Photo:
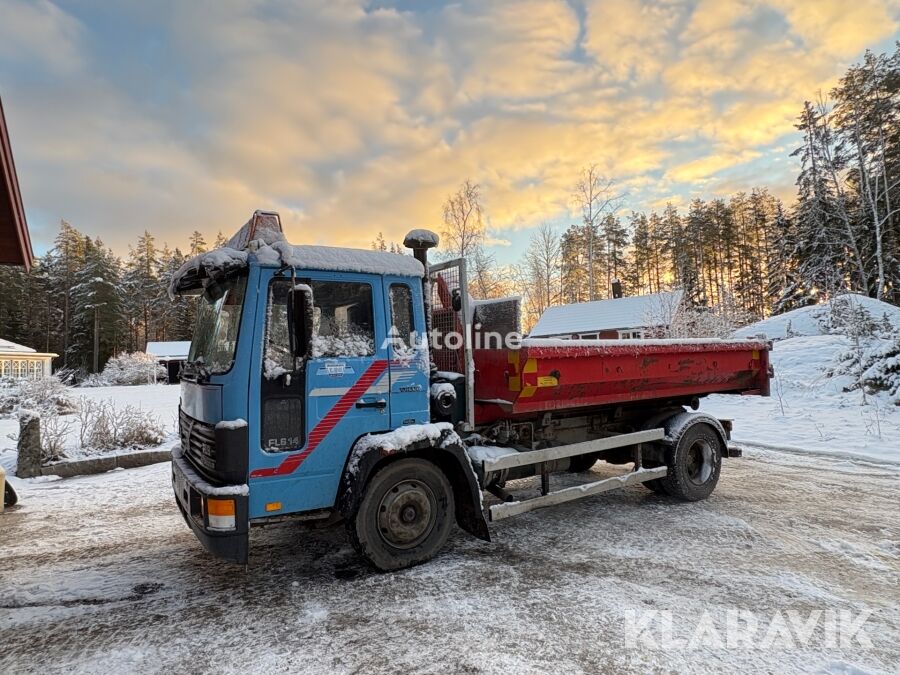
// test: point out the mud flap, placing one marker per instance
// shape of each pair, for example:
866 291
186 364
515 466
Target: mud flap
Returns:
469 511
448 453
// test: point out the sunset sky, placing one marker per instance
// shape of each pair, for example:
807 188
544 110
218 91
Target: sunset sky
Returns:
353 117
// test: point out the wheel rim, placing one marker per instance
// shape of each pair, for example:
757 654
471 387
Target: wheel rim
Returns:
406 514
699 465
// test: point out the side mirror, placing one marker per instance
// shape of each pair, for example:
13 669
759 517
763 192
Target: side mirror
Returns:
300 320
456 300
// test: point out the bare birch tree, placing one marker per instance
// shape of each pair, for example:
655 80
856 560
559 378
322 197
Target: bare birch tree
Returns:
594 196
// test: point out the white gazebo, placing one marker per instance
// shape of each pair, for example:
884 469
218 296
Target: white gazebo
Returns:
20 362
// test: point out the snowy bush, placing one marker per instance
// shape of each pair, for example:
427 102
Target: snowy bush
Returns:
98 426
127 369
691 321
874 365
700 322
106 427
873 358
54 434
44 395
847 316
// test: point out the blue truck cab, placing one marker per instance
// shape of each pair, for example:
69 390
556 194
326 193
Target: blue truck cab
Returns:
307 381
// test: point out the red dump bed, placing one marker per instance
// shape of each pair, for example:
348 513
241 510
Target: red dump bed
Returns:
545 375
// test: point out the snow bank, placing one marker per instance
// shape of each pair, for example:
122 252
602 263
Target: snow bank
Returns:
811 410
819 319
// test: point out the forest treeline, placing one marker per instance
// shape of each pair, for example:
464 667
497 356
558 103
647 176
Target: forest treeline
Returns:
80 285
748 254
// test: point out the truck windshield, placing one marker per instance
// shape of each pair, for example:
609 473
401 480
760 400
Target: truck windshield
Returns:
218 319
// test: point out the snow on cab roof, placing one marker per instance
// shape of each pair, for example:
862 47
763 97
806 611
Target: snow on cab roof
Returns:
262 238
335 259
638 311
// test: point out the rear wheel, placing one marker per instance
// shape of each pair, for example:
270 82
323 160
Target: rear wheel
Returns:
694 464
405 515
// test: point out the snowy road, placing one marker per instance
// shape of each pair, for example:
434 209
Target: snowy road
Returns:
100 574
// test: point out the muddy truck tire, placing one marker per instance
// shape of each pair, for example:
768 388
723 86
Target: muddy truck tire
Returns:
405 516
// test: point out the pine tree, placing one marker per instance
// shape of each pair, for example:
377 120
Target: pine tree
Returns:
62 264
615 237
196 244
574 251
142 286
817 247
97 310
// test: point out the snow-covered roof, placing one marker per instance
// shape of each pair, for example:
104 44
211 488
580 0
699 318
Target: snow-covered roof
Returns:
169 351
638 311
11 347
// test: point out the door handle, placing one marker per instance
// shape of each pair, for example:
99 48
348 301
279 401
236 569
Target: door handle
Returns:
380 404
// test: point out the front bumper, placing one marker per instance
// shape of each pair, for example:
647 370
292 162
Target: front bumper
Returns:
191 492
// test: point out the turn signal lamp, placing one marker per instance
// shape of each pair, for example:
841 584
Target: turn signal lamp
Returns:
220 513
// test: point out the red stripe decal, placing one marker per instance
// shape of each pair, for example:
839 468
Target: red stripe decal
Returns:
327 423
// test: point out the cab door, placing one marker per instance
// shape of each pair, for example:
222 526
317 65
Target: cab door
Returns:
409 366
345 389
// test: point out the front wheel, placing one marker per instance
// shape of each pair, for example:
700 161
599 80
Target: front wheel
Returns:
405 515
694 464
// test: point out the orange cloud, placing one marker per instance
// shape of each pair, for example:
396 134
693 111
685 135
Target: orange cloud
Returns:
352 120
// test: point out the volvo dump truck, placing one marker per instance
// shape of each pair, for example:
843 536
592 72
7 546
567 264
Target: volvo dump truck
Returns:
369 388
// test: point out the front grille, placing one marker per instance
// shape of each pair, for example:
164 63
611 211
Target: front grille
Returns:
198 442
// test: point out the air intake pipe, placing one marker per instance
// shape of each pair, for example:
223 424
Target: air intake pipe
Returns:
420 241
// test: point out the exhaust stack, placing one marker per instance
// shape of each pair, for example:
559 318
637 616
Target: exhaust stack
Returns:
420 241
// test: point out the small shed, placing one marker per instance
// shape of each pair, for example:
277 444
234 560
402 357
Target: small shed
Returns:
628 318
19 362
172 355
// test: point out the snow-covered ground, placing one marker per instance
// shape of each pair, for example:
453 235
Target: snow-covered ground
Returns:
158 399
101 575
808 410
814 320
